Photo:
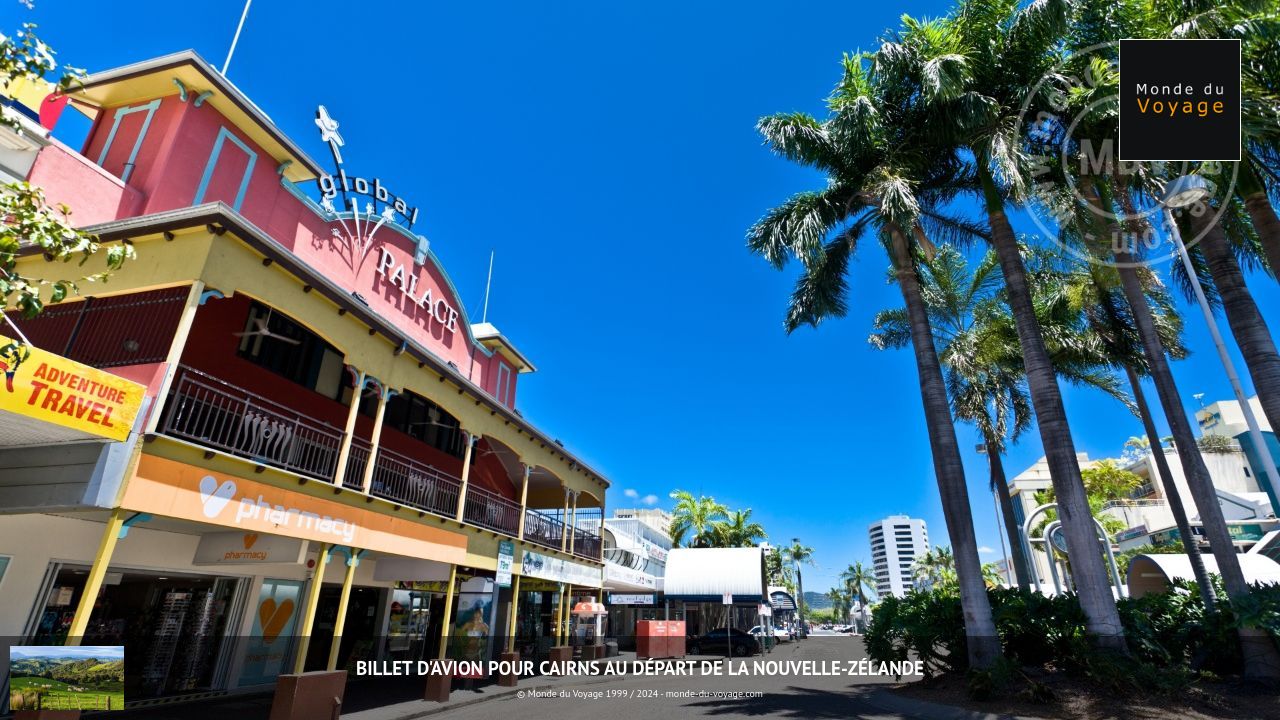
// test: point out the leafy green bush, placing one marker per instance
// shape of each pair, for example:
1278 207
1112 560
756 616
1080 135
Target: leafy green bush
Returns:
1169 634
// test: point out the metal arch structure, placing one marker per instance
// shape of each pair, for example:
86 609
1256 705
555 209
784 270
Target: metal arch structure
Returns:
1043 539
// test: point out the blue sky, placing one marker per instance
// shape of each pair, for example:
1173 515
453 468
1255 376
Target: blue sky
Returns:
101 652
608 155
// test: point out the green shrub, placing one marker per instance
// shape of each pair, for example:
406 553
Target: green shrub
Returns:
1170 636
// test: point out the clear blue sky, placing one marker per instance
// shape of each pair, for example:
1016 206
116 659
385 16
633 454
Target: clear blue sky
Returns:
608 154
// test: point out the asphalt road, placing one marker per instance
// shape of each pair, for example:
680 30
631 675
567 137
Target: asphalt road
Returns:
723 696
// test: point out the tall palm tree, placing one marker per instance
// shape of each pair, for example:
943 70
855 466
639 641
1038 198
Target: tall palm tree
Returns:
840 602
978 346
973 70
798 554
1106 192
858 581
878 178
737 530
694 518
936 569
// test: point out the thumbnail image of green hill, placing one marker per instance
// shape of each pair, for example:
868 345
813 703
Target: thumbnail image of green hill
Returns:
66 683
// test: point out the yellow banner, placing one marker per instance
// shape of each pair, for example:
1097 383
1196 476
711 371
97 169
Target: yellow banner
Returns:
40 385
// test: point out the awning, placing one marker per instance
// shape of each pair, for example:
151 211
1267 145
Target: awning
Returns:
780 599
1155 573
708 574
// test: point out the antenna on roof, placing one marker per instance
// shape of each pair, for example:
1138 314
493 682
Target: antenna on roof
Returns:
484 316
236 38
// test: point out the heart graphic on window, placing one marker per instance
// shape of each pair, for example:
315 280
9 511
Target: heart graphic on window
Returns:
273 617
250 539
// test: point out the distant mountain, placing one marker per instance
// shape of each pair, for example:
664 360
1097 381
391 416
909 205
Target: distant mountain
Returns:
817 600
90 672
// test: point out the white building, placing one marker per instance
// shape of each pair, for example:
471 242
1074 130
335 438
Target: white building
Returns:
656 518
896 542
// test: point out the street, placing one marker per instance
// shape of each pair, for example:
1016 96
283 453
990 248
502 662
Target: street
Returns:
723 696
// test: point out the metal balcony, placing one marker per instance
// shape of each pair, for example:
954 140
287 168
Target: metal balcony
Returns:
401 479
217 414
491 511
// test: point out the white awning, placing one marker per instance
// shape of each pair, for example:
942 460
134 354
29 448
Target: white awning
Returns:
1154 573
707 574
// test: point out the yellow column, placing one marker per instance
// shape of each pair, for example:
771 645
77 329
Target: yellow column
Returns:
344 450
176 346
375 438
512 613
564 525
524 501
353 559
93 583
448 611
573 522
309 612
466 473
560 617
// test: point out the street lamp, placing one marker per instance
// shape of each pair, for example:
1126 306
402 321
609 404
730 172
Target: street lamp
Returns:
1184 192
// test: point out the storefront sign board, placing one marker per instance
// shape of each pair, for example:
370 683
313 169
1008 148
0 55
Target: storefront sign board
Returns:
617 599
247 548
41 385
173 489
506 560
534 564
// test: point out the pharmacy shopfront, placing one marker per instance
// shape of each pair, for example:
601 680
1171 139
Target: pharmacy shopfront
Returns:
209 576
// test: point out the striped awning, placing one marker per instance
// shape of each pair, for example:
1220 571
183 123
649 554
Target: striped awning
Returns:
708 574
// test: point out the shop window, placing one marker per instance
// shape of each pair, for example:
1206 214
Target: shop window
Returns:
504 384
423 420
279 344
4 565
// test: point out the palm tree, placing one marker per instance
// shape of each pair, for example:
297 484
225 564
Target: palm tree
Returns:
839 602
695 518
1102 192
878 178
973 71
798 554
858 581
980 351
936 569
737 530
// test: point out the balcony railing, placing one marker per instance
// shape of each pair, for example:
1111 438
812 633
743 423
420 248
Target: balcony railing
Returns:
586 544
218 414
543 529
403 480
491 511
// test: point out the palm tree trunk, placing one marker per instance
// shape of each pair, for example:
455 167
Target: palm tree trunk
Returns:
1171 494
1000 486
1247 324
1261 658
1091 578
980 630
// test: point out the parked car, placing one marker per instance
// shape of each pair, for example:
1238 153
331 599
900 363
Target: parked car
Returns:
779 634
720 640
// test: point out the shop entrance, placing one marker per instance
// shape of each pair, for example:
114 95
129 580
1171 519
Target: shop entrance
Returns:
358 635
172 625
409 622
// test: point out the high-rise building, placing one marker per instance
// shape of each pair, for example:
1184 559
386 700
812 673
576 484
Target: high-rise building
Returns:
896 542
656 518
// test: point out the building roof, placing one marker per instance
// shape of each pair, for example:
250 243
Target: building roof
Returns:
706 574
488 335
187 72
1155 573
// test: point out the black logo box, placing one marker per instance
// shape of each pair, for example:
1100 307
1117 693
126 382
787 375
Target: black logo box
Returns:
1190 65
